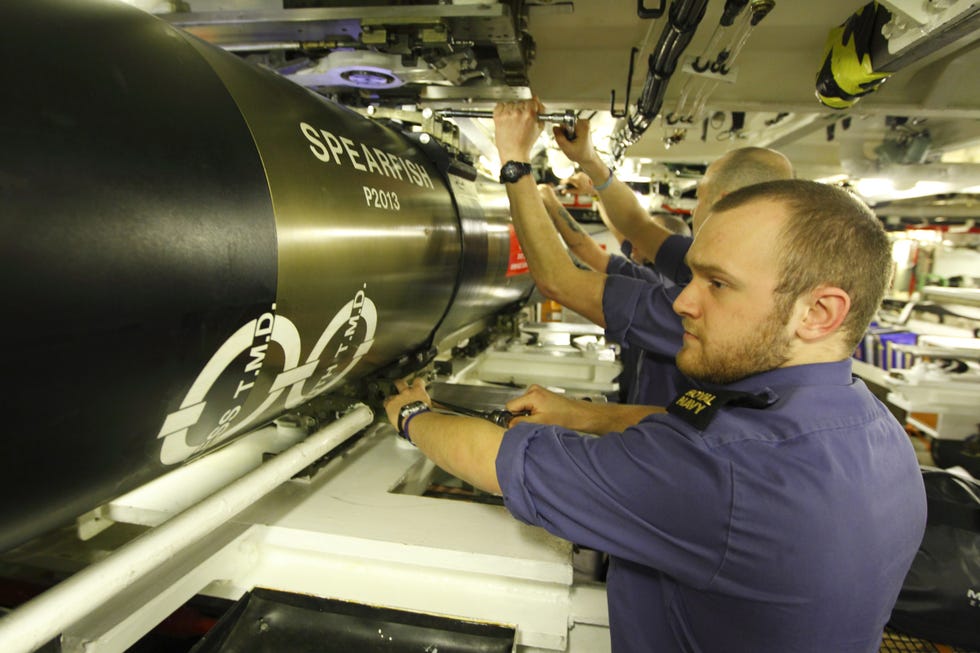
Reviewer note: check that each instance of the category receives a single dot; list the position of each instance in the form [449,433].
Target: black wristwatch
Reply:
[514,170]
[406,413]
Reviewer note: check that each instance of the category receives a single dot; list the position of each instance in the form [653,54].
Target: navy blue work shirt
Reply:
[787,526]
[648,377]
[650,335]
[640,317]
[669,261]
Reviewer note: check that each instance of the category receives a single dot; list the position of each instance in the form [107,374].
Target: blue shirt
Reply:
[649,335]
[670,259]
[640,317]
[648,378]
[786,527]
[625,266]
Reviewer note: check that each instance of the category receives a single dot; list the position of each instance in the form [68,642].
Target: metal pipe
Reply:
[486,113]
[37,621]
[685,16]
[566,120]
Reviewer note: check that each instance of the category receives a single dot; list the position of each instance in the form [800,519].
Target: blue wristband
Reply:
[405,415]
[604,185]
[408,420]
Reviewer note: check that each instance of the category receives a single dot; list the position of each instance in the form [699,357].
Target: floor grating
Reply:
[895,642]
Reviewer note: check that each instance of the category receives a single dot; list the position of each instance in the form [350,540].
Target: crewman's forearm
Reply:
[466,447]
[624,210]
[552,269]
[614,418]
[581,243]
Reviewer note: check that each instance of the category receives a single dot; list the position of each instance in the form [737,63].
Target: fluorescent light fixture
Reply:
[880,188]
[874,186]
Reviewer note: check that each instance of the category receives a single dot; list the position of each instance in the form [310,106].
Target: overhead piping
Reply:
[684,17]
[715,63]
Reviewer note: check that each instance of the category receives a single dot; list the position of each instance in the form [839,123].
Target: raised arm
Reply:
[606,220]
[557,277]
[624,210]
[579,242]
[581,184]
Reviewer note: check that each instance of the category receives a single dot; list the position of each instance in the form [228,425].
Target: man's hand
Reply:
[406,395]
[580,184]
[550,199]
[546,407]
[580,150]
[517,128]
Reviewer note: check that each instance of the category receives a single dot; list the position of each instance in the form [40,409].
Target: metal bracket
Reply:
[644,12]
[629,83]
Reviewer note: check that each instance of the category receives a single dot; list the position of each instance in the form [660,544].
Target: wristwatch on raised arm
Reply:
[514,170]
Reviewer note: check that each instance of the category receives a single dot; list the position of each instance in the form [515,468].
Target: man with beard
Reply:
[635,312]
[776,505]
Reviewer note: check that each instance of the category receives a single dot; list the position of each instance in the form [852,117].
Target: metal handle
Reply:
[566,120]
[498,417]
[503,417]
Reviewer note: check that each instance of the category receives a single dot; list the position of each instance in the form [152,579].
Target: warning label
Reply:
[516,263]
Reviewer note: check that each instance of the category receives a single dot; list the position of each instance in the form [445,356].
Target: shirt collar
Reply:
[835,373]
[699,404]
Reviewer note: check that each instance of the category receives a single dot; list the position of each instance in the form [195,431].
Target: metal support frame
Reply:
[51,613]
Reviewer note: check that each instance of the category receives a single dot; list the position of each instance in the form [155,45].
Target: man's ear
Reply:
[826,309]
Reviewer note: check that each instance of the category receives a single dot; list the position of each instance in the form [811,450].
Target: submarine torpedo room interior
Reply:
[231,225]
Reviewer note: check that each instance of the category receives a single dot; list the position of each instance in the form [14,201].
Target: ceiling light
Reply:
[879,188]
[560,164]
[874,187]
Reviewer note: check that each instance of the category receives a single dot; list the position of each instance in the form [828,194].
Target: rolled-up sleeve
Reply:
[624,267]
[628,494]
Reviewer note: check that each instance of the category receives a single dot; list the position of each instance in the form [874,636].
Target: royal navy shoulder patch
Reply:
[698,406]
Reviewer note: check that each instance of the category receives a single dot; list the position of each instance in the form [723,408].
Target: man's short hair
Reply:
[750,165]
[673,223]
[830,238]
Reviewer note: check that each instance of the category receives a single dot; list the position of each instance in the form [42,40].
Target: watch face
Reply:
[413,407]
[514,170]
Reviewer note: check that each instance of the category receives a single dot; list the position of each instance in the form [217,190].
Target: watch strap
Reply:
[406,413]
[514,170]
